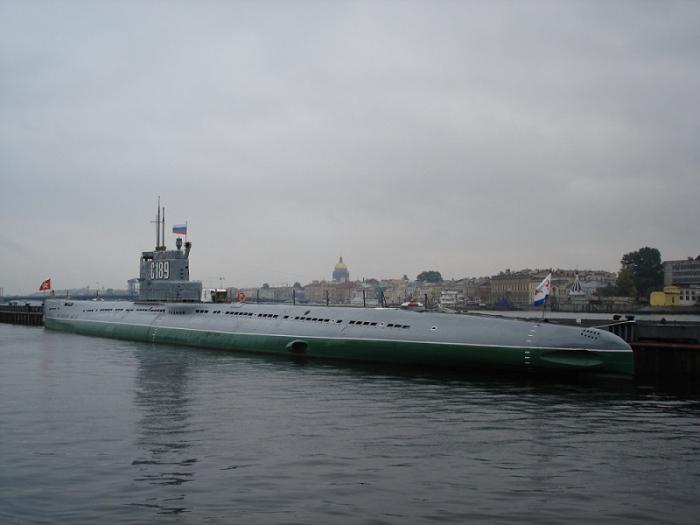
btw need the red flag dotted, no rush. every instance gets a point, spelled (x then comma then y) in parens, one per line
(46, 285)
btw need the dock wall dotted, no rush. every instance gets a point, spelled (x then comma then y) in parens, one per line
(663, 350)
(22, 314)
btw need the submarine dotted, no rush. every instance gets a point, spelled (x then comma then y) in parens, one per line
(169, 310)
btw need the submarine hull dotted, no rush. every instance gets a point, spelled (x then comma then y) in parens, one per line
(378, 336)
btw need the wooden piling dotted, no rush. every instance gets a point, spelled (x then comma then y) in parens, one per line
(22, 314)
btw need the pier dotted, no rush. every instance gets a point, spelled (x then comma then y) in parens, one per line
(663, 350)
(22, 314)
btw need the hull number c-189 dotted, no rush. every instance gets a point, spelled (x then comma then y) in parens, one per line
(160, 270)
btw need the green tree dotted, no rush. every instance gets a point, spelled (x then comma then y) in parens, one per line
(430, 276)
(625, 283)
(645, 270)
(265, 286)
(607, 291)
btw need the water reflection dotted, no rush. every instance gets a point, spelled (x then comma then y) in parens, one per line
(229, 432)
(125, 432)
(165, 434)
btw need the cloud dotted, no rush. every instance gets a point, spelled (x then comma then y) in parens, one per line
(464, 137)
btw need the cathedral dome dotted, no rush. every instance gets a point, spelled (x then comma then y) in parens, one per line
(340, 272)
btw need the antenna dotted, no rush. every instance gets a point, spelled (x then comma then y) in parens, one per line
(158, 225)
(163, 237)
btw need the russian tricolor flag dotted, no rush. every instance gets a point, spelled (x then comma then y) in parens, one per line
(543, 290)
(180, 229)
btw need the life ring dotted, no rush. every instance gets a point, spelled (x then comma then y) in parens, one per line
(240, 297)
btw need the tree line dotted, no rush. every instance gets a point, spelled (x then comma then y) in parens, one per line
(641, 272)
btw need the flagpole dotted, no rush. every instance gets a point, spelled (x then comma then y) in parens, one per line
(544, 306)
(545, 288)
(549, 292)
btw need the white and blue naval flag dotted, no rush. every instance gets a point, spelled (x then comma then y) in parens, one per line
(543, 290)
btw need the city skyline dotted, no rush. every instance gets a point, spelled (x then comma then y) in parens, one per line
(460, 137)
(221, 281)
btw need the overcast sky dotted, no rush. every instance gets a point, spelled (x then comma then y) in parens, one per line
(464, 137)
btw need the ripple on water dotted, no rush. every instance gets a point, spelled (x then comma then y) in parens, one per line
(100, 430)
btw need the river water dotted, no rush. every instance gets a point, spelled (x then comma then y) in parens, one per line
(103, 431)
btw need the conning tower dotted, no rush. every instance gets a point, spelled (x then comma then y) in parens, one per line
(165, 274)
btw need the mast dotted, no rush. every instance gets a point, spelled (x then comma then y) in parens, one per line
(158, 225)
(163, 224)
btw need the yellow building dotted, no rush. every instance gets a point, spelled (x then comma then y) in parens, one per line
(671, 296)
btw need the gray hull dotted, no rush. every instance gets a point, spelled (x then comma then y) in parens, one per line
(374, 335)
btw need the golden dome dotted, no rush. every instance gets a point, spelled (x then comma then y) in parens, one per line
(340, 265)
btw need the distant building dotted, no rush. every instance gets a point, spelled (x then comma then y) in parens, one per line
(683, 273)
(676, 296)
(576, 288)
(452, 299)
(671, 296)
(477, 291)
(428, 293)
(267, 294)
(366, 295)
(331, 292)
(340, 272)
(397, 291)
(516, 288)
(690, 296)
(579, 286)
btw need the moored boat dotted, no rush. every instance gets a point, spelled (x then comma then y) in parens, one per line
(169, 310)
